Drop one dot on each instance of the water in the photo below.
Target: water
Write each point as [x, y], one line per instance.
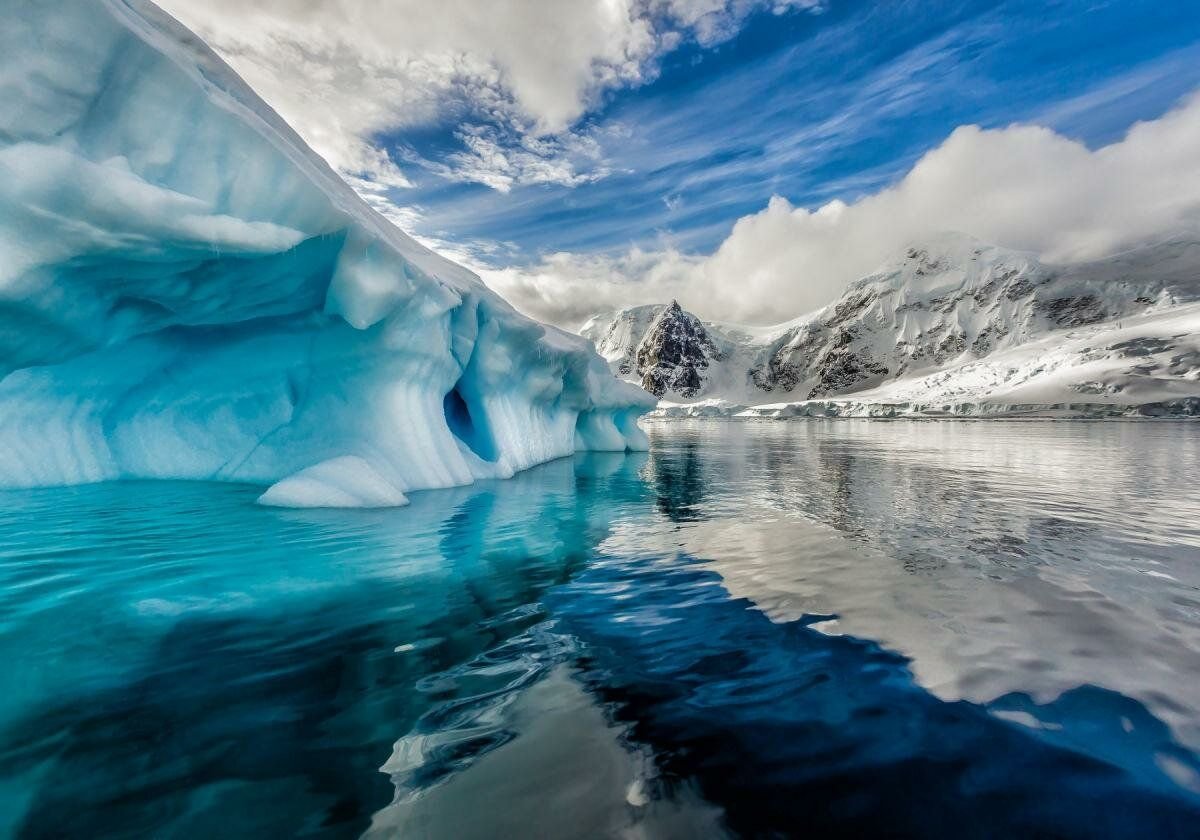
[820, 628]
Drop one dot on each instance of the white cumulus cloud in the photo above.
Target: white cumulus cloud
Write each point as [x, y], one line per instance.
[514, 76]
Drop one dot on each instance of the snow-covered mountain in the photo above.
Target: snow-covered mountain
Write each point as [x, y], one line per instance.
[953, 325]
[188, 291]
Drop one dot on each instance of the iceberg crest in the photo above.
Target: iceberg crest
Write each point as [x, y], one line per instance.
[187, 291]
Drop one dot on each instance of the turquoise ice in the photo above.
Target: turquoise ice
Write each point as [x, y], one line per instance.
[187, 291]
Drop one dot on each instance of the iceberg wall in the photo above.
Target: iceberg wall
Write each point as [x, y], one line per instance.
[187, 291]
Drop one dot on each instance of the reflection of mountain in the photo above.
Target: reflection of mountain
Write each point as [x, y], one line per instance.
[679, 482]
[836, 472]
[998, 557]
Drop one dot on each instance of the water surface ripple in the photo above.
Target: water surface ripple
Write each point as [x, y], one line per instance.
[757, 629]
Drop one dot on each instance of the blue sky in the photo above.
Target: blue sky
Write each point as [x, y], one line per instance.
[749, 157]
[819, 106]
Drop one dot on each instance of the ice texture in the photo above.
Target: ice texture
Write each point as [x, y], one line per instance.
[187, 291]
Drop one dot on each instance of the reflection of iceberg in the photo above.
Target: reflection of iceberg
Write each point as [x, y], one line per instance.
[215, 696]
[187, 291]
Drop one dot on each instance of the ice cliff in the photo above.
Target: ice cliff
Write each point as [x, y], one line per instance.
[188, 292]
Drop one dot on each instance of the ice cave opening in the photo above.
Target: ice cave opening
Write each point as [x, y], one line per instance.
[464, 426]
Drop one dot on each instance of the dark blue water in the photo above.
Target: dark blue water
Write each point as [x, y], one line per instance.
[759, 629]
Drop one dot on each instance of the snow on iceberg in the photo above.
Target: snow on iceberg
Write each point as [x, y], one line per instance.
[188, 291]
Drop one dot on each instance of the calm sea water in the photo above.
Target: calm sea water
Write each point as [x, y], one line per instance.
[817, 628]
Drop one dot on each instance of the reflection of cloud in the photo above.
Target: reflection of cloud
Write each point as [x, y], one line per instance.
[528, 785]
[835, 731]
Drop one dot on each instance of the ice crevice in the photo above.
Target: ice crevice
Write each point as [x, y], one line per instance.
[188, 292]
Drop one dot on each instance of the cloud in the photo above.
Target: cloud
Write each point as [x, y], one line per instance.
[345, 71]
[500, 160]
[566, 289]
[514, 76]
[1023, 187]
[714, 21]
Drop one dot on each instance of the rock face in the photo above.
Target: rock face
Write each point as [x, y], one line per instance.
[940, 306]
[663, 348]
[674, 354]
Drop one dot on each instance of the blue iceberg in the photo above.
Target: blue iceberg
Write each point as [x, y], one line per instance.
[187, 291]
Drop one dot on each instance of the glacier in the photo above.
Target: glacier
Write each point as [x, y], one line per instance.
[187, 291]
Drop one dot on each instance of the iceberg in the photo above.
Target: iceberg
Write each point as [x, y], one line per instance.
[187, 291]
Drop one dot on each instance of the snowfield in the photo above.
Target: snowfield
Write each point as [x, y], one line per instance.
[188, 292]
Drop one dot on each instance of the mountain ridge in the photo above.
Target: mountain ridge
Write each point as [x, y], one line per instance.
[948, 304]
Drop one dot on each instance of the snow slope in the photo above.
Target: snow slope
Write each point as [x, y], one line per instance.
[1147, 365]
[953, 326]
[188, 291]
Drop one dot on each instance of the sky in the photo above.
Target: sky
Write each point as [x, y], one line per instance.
[747, 157]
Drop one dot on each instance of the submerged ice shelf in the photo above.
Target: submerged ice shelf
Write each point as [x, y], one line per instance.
[188, 291]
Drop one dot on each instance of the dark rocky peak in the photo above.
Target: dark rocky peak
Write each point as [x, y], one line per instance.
[675, 352]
